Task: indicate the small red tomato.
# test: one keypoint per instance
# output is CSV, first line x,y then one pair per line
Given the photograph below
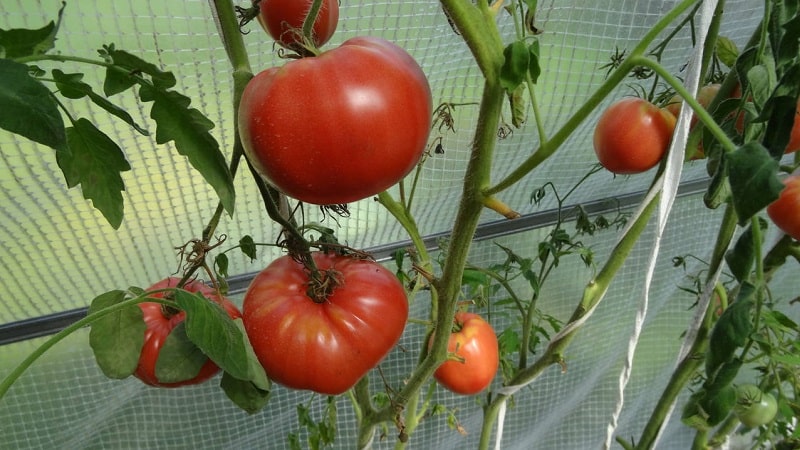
x,y
159,325
632,136
475,356
794,138
283,20
339,127
323,345
785,211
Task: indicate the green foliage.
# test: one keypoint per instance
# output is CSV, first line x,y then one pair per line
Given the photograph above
x,y
179,359
117,337
319,434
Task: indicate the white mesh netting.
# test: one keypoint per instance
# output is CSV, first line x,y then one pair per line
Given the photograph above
x,y
60,253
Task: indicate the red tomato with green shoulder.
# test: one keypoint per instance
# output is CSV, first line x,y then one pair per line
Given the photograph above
x,y
283,20
632,136
160,323
785,211
338,127
323,344
474,356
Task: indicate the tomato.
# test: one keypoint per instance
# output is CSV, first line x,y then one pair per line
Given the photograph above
x,y
160,325
339,127
754,407
704,96
283,20
323,346
632,136
475,359
785,211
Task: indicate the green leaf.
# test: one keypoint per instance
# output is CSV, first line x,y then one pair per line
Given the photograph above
x,y
515,66
221,338
21,42
127,69
221,262
730,332
27,108
71,86
116,338
752,174
780,113
726,51
741,257
179,359
534,69
248,247
188,128
516,100
244,394
95,162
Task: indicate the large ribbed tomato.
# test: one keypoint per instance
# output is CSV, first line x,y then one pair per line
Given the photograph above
x,y
283,20
324,345
338,127
160,324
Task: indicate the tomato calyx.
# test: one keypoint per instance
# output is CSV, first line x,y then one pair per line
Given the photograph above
x,y
321,284
247,15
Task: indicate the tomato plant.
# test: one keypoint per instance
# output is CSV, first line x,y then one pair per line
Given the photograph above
x,y
785,211
339,127
753,406
794,137
283,20
323,344
160,322
474,356
632,136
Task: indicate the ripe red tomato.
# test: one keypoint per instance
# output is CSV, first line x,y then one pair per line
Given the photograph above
x,y
283,20
328,346
160,325
474,344
785,211
632,136
339,127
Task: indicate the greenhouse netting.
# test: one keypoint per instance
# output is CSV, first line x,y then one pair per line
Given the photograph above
x,y
606,185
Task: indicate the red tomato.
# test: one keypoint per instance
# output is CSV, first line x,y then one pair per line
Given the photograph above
x,y
474,345
339,127
283,20
785,211
328,346
159,326
632,136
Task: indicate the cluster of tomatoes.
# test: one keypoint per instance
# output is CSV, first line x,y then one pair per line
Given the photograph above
x,y
633,135
326,128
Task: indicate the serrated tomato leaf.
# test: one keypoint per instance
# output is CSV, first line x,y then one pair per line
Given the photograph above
x,y
248,246
741,257
71,86
95,162
210,328
188,128
21,42
27,108
753,177
117,337
729,333
179,359
127,68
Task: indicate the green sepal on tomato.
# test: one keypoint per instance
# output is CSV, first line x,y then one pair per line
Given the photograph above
x,y
283,20
473,355
338,127
161,321
632,136
323,344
